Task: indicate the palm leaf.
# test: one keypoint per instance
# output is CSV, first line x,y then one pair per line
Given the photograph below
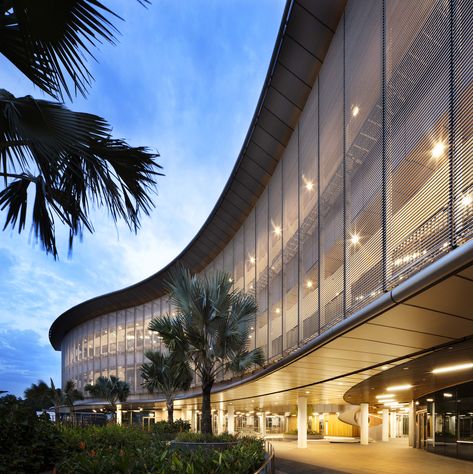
x,y
49,40
74,163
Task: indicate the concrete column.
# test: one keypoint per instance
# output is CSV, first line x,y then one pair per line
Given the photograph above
x,y
231,419
119,414
385,435
392,417
220,421
263,424
364,423
412,423
302,422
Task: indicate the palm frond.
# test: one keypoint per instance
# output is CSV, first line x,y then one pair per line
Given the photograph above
x,y
50,41
74,163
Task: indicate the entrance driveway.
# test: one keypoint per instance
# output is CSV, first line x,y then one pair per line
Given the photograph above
x,y
393,457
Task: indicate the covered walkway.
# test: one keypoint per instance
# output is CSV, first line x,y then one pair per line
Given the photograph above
x,y
394,457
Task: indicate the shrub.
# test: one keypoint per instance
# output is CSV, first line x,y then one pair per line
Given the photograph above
x,y
178,426
28,443
206,438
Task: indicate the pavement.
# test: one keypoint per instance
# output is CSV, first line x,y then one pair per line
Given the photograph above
x,y
393,457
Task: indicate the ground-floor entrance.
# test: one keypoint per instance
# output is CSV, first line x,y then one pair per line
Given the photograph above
x,y
390,457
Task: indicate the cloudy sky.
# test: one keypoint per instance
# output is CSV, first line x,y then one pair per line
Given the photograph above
x,y
184,80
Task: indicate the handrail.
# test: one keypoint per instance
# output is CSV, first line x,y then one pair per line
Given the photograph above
x,y
269,465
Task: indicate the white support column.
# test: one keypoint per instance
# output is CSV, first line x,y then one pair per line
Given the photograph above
x,y
302,422
412,423
364,423
263,424
392,417
231,419
119,414
220,421
385,435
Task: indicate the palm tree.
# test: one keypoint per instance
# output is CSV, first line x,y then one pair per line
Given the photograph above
x,y
111,389
168,374
39,396
71,395
68,158
211,328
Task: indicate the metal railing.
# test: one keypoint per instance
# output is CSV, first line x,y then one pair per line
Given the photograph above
x,y
269,465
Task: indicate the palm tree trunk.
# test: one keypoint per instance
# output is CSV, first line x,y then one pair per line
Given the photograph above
x,y
170,407
206,411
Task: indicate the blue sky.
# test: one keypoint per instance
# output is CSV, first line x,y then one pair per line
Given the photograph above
x,y
184,79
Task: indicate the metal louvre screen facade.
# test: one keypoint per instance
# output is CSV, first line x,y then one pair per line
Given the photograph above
x,y
375,183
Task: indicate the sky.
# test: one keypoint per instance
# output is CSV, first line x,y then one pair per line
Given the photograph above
x,y
184,79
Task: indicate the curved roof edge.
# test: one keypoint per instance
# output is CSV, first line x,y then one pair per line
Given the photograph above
x,y
303,39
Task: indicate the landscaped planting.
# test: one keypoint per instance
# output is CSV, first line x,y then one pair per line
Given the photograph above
x,y
29,444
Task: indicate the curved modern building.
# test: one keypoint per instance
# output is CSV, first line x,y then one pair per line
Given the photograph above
x,y
349,216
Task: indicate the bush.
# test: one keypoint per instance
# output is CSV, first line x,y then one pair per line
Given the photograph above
x,y
158,458
178,426
206,438
28,443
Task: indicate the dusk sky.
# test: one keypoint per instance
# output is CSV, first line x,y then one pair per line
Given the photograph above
x,y
184,79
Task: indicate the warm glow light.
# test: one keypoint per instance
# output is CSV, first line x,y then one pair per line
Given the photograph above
x,y
387,395
384,367
453,368
277,230
309,284
278,311
307,391
430,399
447,395
467,200
437,150
354,239
355,110
397,388
230,280
252,260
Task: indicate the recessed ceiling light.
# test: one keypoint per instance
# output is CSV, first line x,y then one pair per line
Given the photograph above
x,y
429,399
453,368
447,395
437,150
396,388
386,395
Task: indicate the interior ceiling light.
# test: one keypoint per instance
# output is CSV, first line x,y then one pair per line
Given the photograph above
x,y
437,150
308,184
385,395
396,388
309,284
447,395
277,230
252,259
355,111
453,368
429,399
354,239
467,200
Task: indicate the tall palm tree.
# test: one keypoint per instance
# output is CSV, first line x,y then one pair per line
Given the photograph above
x,y
71,395
67,159
167,374
111,389
211,328
39,395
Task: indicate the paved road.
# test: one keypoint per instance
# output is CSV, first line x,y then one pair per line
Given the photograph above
x,y
394,457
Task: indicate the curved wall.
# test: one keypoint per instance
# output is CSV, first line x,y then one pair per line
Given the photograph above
x,y
375,183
